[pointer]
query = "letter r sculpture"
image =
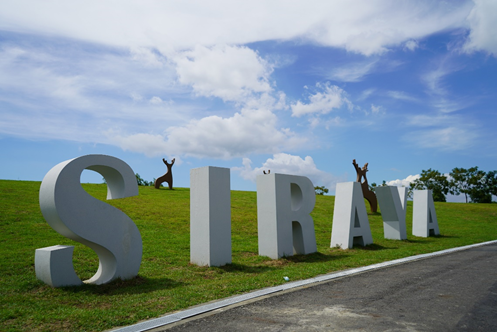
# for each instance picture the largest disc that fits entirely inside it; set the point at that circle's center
(285, 226)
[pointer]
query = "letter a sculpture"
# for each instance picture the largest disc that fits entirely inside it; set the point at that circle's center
(168, 177)
(368, 194)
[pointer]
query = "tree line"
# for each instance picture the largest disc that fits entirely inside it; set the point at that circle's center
(475, 184)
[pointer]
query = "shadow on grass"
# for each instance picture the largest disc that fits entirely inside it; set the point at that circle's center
(374, 213)
(373, 247)
(236, 267)
(137, 285)
(430, 238)
(441, 236)
(314, 257)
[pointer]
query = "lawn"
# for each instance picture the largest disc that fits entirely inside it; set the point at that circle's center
(167, 281)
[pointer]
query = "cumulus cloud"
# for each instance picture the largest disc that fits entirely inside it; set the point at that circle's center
(246, 132)
(403, 182)
(147, 57)
(155, 100)
(328, 97)
(483, 24)
(290, 164)
(411, 45)
(231, 73)
(411, 178)
(362, 26)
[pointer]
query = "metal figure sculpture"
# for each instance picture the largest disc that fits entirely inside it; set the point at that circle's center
(168, 177)
(369, 195)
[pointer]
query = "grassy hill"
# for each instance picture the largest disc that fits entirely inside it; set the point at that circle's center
(167, 281)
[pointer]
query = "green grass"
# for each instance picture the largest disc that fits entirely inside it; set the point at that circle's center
(167, 281)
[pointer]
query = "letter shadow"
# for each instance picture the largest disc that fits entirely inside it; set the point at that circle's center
(236, 267)
(373, 247)
(136, 285)
(314, 257)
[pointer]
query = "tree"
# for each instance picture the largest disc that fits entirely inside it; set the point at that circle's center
(373, 185)
(476, 184)
(465, 181)
(321, 190)
(142, 182)
(492, 182)
(484, 188)
(434, 181)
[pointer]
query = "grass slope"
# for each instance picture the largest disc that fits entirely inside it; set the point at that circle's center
(167, 281)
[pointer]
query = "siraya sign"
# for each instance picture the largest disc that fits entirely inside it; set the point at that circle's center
(284, 205)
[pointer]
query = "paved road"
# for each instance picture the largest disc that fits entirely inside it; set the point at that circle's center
(452, 292)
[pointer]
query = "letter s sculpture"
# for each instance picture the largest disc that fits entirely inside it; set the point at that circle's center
(73, 213)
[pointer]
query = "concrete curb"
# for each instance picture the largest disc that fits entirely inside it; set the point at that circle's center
(175, 317)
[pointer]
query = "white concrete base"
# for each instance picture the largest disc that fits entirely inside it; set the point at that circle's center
(392, 201)
(210, 216)
(53, 266)
(350, 219)
(72, 212)
(424, 216)
(284, 204)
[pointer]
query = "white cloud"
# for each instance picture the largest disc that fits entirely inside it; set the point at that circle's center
(366, 94)
(401, 95)
(411, 45)
(363, 26)
(483, 24)
(443, 131)
(315, 122)
(229, 72)
(353, 72)
(136, 97)
(436, 79)
(448, 138)
(377, 109)
(73, 94)
(147, 57)
(404, 182)
(411, 178)
(290, 164)
(430, 120)
(250, 131)
(155, 100)
(331, 97)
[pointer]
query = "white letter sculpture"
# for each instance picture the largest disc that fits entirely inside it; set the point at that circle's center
(72, 212)
(284, 204)
(392, 202)
(350, 219)
(210, 216)
(424, 217)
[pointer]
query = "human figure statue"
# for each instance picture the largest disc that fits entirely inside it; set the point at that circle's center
(368, 194)
(168, 177)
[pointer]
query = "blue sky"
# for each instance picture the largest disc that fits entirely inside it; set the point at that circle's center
(297, 87)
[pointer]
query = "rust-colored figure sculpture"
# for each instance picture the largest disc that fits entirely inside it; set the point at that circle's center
(368, 194)
(168, 177)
